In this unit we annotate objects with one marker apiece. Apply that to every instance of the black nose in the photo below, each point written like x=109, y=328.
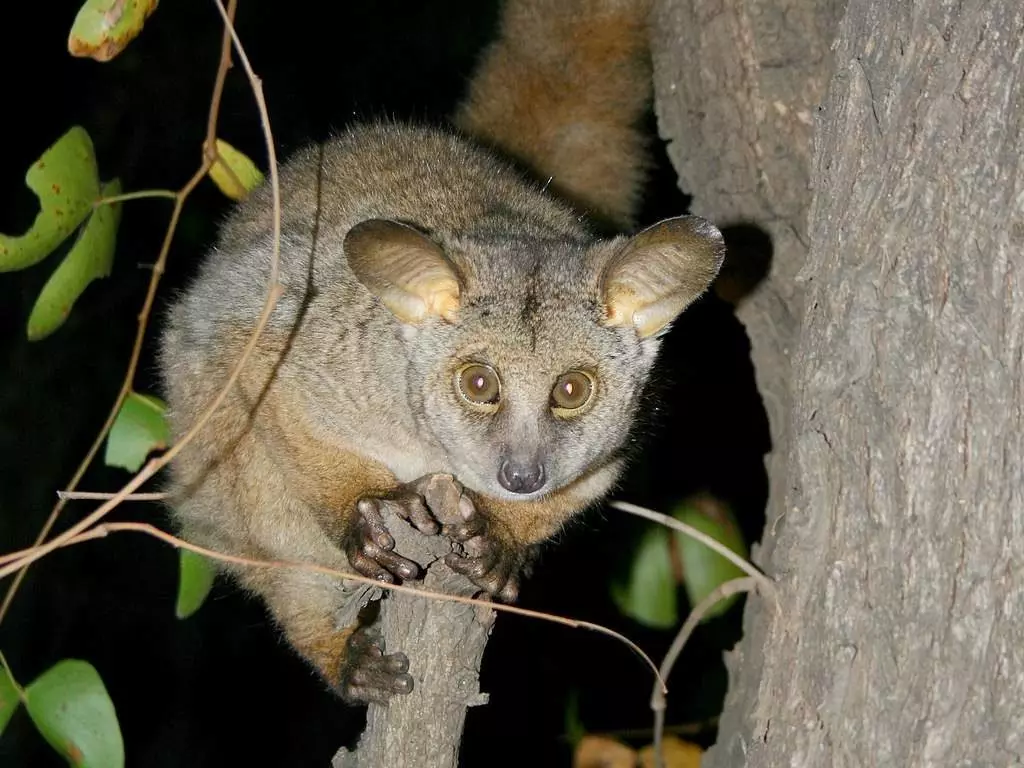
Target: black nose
x=521, y=478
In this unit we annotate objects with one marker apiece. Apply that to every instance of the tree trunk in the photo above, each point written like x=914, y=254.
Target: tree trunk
x=898, y=640
x=737, y=84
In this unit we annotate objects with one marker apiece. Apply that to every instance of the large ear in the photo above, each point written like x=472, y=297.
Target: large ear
x=405, y=269
x=660, y=271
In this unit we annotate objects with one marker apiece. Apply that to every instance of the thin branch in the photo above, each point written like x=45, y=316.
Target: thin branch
x=765, y=585
x=143, y=321
x=103, y=496
x=210, y=142
x=103, y=529
x=754, y=581
x=722, y=591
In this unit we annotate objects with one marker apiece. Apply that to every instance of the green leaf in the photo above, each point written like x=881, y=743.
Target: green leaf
x=649, y=592
x=140, y=427
x=195, y=580
x=89, y=258
x=704, y=570
x=234, y=173
x=10, y=697
x=66, y=181
x=574, y=728
x=72, y=711
x=103, y=28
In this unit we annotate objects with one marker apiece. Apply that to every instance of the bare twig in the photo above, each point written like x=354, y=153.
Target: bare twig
x=765, y=585
x=727, y=589
x=754, y=581
x=147, y=305
x=101, y=530
x=102, y=496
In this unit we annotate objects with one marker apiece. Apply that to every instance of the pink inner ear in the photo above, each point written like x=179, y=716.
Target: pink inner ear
x=405, y=269
x=620, y=305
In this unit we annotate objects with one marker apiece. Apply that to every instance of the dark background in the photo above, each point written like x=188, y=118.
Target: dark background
x=220, y=688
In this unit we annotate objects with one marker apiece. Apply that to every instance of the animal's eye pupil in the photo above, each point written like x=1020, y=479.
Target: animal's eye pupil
x=479, y=384
x=571, y=392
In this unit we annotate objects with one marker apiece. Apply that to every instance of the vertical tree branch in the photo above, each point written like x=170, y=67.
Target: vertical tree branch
x=445, y=644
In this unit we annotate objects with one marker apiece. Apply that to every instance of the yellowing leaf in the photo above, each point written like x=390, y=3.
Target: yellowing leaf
x=72, y=710
x=677, y=754
x=9, y=697
x=602, y=752
x=703, y=569
x=234, y=173
x=89, y=258
x=103, y=28
x=140, y=427
x=195, y=580
x=648, y=594
x=66, y=181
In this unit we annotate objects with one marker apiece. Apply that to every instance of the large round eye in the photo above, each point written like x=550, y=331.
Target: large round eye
x=572, y=391
x=479, y=385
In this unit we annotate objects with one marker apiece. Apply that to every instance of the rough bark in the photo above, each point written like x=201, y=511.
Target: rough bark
x=899, y=640
x=737, y=83
x=445, y=644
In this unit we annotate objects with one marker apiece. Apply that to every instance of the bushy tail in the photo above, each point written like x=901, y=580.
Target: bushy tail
x=564, y=90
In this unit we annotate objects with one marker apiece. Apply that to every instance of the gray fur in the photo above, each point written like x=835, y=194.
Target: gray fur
x=531, y=307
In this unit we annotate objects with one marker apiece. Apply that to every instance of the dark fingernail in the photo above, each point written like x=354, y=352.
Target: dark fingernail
x=403, y=683
x=408, y=571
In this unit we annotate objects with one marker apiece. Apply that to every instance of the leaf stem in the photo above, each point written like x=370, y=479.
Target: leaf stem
x=143, y=194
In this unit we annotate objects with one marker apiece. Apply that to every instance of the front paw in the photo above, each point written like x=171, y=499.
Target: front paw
x=370, y=546
x=488, y=559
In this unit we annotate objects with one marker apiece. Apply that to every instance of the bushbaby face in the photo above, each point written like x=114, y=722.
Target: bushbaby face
x=526, y=395
x=528, y=355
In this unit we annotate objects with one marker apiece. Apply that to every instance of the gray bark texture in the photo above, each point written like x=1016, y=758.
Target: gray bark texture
x=445, y=644
x=900, y=450
x=737, y=84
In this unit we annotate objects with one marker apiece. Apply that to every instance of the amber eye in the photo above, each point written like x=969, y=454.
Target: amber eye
x=572, y=391
x=479, y=384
